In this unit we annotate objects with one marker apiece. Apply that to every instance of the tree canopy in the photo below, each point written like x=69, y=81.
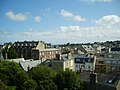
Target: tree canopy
x=11, y=53
x=12, y=76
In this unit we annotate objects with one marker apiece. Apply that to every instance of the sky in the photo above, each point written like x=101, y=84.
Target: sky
x=59, y=21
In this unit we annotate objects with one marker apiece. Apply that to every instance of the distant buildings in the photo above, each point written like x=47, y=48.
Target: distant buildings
x=109, y=57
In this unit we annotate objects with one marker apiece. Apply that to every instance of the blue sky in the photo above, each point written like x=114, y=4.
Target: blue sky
x=59, y=21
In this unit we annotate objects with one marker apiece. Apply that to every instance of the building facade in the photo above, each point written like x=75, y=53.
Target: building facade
x=109, y=57
x=45, y=54
x=84, y=63
x=24, y=49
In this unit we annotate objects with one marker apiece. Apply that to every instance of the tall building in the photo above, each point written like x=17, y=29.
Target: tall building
x=24, y=49
x=44, y=54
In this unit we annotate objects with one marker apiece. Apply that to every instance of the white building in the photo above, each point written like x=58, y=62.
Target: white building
x=84, y=63
x=64, y=61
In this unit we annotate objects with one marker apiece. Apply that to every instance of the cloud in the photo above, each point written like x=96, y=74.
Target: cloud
x=96, y=1
x=71, y=16
x=37, y=18
x=66, y=13
x=16, y=17
x=64, y=34
x=69, y=28
x=109, y=20
x=78, y=18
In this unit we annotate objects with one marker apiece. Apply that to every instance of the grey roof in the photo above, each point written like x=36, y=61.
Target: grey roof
x=101, y=78
x=84, y=59
x=16, y=60
x=88, y=47
x=30, y=64
x=64, y=57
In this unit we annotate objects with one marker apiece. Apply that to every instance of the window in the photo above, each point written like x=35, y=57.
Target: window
x=101, y=55
x=107, y=62
x=114, y=62
x=110, y=56
x=26, y=44
x=89, y=60
x=76, y=65
x=30, y=44
x=40, y=53
x=22, y=44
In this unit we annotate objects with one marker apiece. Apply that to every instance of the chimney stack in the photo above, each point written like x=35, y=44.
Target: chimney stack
x=58, y=56
x=93, y=81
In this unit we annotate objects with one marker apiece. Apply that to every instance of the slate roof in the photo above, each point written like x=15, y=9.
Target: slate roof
x=88, y=47
x=30, y=64
x=115, y=49
x=101, y=78
x=84, y=60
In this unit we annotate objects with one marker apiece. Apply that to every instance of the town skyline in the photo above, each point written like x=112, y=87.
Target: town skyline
x=60, y=21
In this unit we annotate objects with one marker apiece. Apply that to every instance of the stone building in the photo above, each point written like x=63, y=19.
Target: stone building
x=24, y=49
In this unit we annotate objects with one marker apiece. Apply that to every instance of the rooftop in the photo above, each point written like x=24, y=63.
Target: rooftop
x=106, y=79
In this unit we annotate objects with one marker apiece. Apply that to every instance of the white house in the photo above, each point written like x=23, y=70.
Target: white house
x=84, y=63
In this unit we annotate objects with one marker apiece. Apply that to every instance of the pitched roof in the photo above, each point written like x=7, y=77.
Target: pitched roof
x=30, y=64
x=101, y=78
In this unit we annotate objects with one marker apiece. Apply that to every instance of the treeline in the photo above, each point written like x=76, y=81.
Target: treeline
x=13, y=77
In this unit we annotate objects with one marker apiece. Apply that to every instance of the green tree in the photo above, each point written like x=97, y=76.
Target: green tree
x=104, y=69
x=30, y=85
x=20, y=78
x=67, y=80
x=11, y=53
x=43, y=75
x=12, y=74
x=2, y=86
x=47, y=85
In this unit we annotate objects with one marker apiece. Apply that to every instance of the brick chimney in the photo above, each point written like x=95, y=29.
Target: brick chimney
x=93, y=81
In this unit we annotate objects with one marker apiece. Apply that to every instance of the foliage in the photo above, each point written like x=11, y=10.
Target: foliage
x=20, y=78
x=30, y=85
x=11, y=53
x=67, y=80
x=11, y=87
x=44, y=77
x=13, y=77
x=2, y=86
x=104, y=69
x=13, y=73
x=47, y=85
x=66, y=51
x=41, y=73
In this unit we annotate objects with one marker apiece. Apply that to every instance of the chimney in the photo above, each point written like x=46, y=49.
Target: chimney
x=28, y=68
x=58, y=56
x=93, y=78
x=93, y=81
x=81, y=69
x=69, y=55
